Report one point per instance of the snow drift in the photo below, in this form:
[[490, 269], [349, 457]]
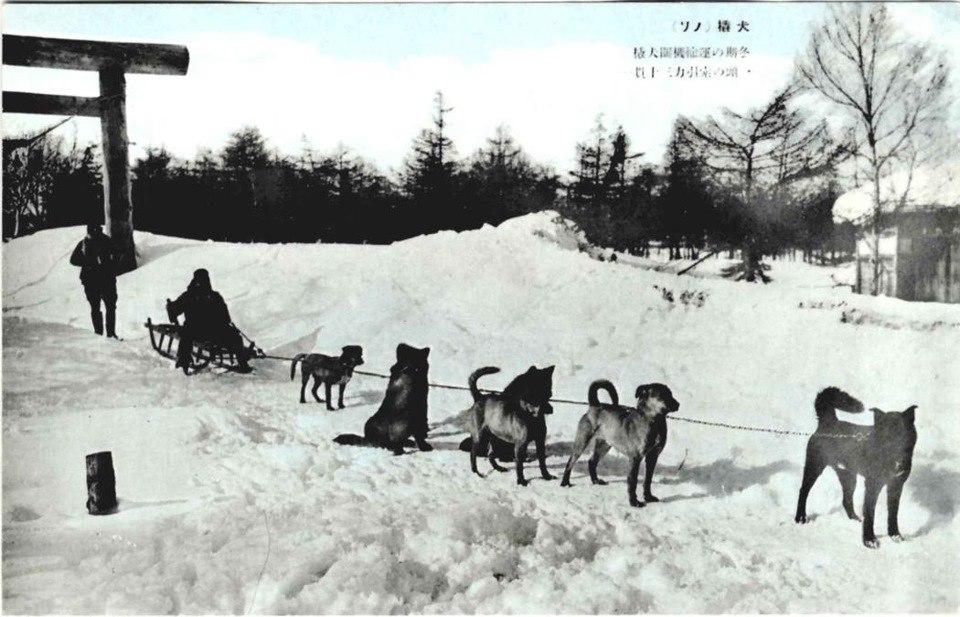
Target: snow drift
[[234, 499]]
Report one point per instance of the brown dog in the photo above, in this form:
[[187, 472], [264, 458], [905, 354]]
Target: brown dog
[[517, 416], [639, 434], [327, 370]]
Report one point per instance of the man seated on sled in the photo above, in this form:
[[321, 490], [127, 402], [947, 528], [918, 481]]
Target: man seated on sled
[[206, 318]]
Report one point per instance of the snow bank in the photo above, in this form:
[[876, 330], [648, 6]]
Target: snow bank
[[234, 499]]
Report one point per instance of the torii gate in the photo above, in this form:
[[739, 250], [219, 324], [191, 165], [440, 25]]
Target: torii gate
[[112, 61]]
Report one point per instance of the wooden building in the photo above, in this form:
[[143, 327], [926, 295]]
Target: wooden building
[[919, 256]]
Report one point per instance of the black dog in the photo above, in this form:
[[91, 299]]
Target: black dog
[[403, 412], [882, 454], [516, 416]]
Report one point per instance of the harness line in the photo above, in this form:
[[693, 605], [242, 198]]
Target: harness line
[[564, 401]]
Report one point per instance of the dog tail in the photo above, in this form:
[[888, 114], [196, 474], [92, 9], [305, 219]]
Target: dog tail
[[477, 374], [293, 365], [605, 385], [830, 399], [349, 439]]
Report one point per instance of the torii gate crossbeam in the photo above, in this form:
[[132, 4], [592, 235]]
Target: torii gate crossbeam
[[112, 61]]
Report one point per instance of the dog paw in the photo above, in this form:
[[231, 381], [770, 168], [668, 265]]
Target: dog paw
[[854, 517], [340, 406], [800, 518], [547, 476], [874, 543], [896, 537], [599, 482], [565, 483], [523, 482], [637, 504], [651, 499], [425, 447]]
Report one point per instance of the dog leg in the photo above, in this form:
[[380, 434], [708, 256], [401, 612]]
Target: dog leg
[[848, 482], [315, 389], [651, 461], [492, 457], [894, 489], [520, 455], [340, 397], [422, 444], [476, 448], [328, 390], [303, 386], [632, 478], [811, 471], [580, 443], [542, 456], [600, 449], [870, 495]]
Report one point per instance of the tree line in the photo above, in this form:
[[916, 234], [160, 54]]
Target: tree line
[[759, 181], [248, 192]]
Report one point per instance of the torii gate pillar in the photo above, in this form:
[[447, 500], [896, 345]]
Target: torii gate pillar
[[112, 61], [117, 204]]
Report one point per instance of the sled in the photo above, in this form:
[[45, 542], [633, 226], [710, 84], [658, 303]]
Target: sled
[[203, 354]]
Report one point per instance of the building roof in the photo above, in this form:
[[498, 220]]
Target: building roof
[[931, 187]]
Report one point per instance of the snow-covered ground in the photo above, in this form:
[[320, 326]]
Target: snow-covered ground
[[235, 500]]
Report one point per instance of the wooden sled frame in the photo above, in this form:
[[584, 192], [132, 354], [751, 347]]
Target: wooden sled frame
[[203, 353]]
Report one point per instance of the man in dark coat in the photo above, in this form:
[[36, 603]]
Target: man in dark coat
[[98, 259], [206, 318]]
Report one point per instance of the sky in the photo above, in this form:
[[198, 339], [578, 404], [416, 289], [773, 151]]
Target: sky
[[365, 75]]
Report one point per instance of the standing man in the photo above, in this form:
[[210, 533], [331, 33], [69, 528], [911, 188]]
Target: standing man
[[98, 259]]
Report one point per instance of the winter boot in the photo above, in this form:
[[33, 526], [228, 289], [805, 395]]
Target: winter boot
[[243, 355], [111, 322], [97, 317]]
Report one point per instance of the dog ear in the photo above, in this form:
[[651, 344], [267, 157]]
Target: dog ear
[[910, 413], [642, 391], [549, 370]]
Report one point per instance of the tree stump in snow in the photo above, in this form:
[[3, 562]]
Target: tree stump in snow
[[101, 484]]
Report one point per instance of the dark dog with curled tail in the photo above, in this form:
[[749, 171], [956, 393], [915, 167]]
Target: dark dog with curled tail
[[403, 412], [882, 454]]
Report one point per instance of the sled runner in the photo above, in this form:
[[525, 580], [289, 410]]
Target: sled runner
[[203, 353]]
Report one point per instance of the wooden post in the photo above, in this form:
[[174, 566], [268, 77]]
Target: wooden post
[[117, 210], [101, 484], [112, 60]]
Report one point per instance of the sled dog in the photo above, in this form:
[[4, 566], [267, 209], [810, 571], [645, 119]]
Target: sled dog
[[882, 454], [639, 434], [517, 416], [327, 370], [403, 412]]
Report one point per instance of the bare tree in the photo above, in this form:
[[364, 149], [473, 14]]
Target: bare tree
[[761, 153], [893, 92], [30, 168]]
